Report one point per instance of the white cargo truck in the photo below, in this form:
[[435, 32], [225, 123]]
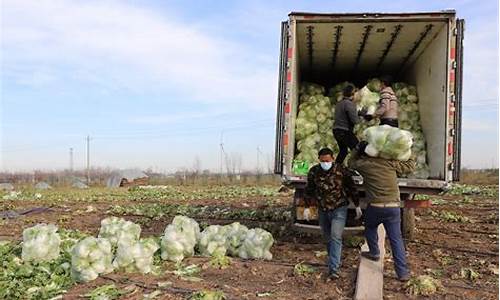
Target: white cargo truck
[[421, 49]]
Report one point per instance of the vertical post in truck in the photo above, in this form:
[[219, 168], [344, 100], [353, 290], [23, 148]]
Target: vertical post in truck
[[422, 49]]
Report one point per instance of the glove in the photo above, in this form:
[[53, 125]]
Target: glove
[[368, 117], [361, 147], [362, 112], [307, 214], [359, 213]]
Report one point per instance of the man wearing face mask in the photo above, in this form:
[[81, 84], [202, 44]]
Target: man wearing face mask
[[332, 186]]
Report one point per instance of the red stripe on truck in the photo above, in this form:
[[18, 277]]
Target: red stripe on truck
[[288, 76], [290, 53], [450, 148], [452, 54], [285, 139], [287, 108], [452, 76]]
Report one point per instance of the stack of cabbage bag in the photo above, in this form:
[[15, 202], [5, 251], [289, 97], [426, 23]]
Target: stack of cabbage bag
[[314, 123], [409, 119], [388, 142]]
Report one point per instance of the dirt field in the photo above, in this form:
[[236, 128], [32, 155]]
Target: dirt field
[[456, 243]]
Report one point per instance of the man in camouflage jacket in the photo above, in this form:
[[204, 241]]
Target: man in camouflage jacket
[[332, 186]]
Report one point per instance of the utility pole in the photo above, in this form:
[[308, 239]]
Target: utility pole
[[221, 153], [258, 167], [88, 160], [71, 159]]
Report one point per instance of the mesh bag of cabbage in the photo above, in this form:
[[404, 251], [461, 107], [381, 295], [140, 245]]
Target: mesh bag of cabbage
[[388, 142], [91, 257], [179, 239], [40, 243]]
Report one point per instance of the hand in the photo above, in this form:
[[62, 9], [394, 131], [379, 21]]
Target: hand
[[307, 214], [362, 112], [368, 117], [361, 147], [359, 213]]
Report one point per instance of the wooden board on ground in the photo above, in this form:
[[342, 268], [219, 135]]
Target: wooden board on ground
[[370, 281]]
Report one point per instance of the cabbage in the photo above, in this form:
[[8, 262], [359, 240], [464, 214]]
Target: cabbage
[[118, 229], [40, 243], [212, 241], [91, 257], [136, 256], [179, 239], [235, 236], [314, 123], [388, 142], [367, 99], [374, 85], [257, 244]]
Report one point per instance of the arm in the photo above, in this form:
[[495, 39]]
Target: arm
[[404, 167], [383, 106], [352, 113], [310, 190]]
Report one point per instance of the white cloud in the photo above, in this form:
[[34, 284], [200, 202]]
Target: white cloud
[[120, 46]]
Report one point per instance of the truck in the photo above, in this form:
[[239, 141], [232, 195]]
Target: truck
[[424, 49]]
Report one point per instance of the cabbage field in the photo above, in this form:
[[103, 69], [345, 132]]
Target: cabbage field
[[221, 242], [315, 116]]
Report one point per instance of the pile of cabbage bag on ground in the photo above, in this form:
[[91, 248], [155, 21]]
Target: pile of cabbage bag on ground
[[118, 247], [313, 132]]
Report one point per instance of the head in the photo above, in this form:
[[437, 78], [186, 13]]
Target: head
[[348, 91], [325, 157], [386, 81]]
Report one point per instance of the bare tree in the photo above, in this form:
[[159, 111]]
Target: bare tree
[[197, 165]]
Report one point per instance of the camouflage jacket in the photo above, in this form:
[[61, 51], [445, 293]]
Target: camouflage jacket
[[332, 189]]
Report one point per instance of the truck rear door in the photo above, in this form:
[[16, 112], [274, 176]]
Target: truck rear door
[[459, 51], [280, 121]]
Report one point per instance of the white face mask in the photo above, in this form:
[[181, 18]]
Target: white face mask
[[326, 165]]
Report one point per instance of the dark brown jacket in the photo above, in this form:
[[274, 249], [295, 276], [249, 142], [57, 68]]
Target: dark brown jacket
[[380, 176]]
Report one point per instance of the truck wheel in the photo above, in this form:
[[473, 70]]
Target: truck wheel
[[408, 223]]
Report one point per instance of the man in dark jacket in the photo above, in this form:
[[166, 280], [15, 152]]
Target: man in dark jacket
[[382, 190], [346, 116], [332, 186]]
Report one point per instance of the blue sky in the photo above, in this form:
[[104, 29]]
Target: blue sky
[[154, 83]]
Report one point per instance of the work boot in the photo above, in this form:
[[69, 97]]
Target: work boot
[[404, 278], [370, 256]]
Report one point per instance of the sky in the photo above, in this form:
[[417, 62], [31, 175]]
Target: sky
[[159, 84]]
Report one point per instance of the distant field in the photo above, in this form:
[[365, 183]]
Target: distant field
[[483, 177]]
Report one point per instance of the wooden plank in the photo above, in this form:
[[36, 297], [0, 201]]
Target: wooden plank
[[370, 281]]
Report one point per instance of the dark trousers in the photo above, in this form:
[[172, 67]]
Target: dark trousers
[[345, 139], [390, 217], [390, 122]]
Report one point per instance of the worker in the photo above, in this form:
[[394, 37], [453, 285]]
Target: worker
[[388, 106], [382, 192], [331, 185], [346, 116]]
